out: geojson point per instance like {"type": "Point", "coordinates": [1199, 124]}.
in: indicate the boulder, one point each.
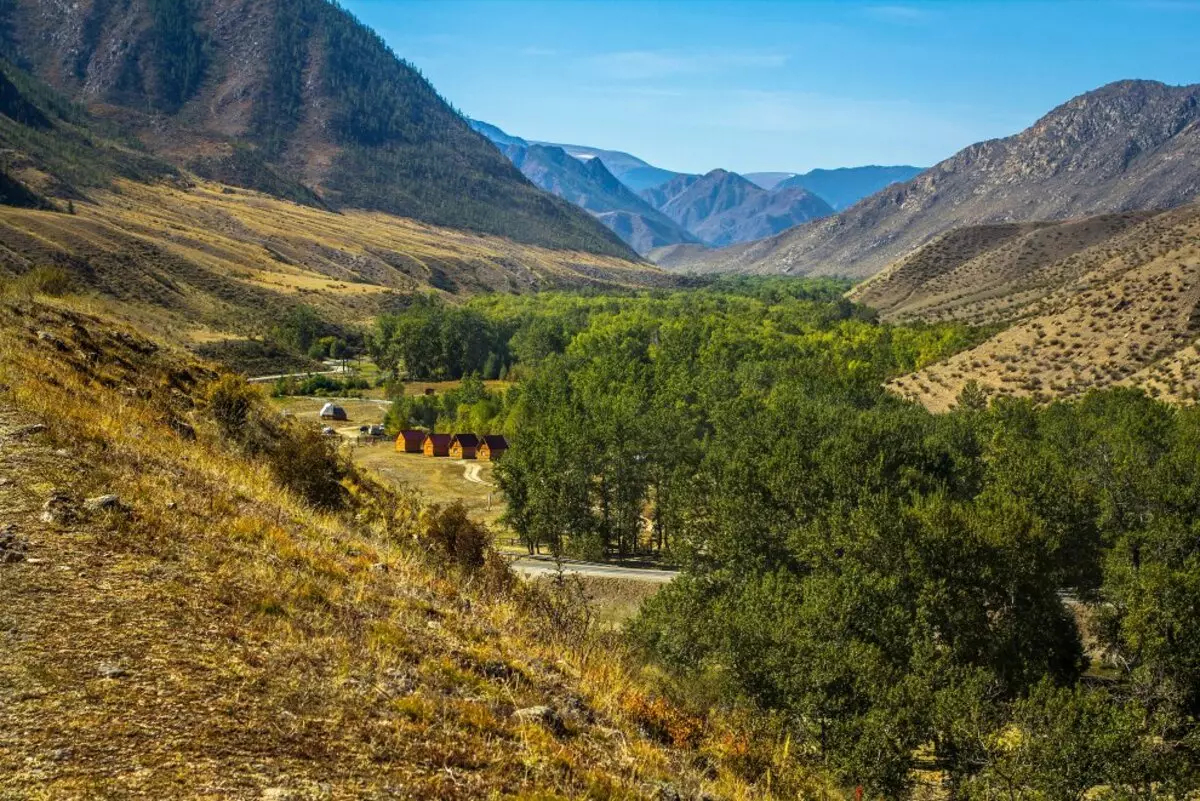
{"type": "Point", "coordinates": [103, 503]}
{"type": "Point", "coordinates": [59, 509]}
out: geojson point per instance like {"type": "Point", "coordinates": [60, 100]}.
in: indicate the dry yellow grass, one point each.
{"type": "Point", "coordinates": [204, 260]}
{"type": "Point", "coordinates": [1119, 312]}
{"type": "Point", "coordinates": [218, 638]}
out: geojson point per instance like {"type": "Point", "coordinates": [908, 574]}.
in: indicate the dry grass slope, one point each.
{"type": "Point", "coordinates": [207, 260]}
{"type": "Point", "coordinates": [216, 637]}
{"type": "Point", "coordinates": [1119, 309]}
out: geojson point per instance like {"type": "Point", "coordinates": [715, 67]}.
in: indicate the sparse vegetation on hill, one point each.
{"type": "Point", "coordinates": [211, 631]}
{"type": "Point", "coordinates": [1102, 301]}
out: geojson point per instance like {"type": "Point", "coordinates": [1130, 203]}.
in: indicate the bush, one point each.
{"type": "Point", "coordinates": [307, 462]}
{"type": "Point", "coordinates": [48, 280]}
{"type": "Point", "coordinates": [455, 538]}
{"type": "Point", "coordinates": [231, 400]}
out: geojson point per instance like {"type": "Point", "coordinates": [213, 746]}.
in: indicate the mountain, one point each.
{"type": "Point", "coordinates": [768, 180]}
{"type": "Point", "coordinates": [723, 207]}
{"type": "Point", "coordinates": [589, 185]}
{"type": "Point", "coordinates": [632, 171]}
{"type": "Point", "coordinates": [1128, 146]}
{"type": "Point", "coordinates": [587, 182]}
{"type": "Point", "coordinates": [199, 262]}
{"type": "Point", "coordinates": [1108, 300]}
{"type": "Point", "coordinates": [294, 98]}
{"type": "Point", "coordinates": [845, 186]}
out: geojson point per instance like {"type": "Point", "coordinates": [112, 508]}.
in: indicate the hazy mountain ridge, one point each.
{"type": "Point", "coordinates": [715, 209]}
{"type": "Point", "coordinates": [293, 98]}
{"type": "Point", "coordinates": [841, 188]}
{"type": "Point", "coordinates": [722, 207]}
{"type": "Point", "coordinates": [1127, 146]}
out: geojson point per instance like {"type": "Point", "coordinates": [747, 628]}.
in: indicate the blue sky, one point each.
{"type": "Point", "coordinates": [757, 86]}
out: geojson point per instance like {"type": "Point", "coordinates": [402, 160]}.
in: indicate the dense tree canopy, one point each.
{"type": "Point", "coordinates": [894, 583]}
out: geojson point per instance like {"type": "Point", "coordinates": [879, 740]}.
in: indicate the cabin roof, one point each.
{"type": "Point", "coordinates": [411, 435]}
{"type": "Point", "coordinates": [467, 440]}
{"type": "Point", "coordinates": [440, 439]}
{"type": "Point", "coordinates": [495, 442]}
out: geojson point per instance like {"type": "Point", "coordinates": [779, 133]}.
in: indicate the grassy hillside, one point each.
{"type": "Point", "coordinates": [252, 618]}
{"type": "Point", "coordinates": [205, 260]}
{"type": "Point", "coordinates": [1106, 301]}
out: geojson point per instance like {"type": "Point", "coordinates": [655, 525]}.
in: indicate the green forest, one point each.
{"type": "Point", "coordinates": [1006, 593]}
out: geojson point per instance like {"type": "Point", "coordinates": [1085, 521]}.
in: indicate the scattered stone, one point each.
{"type": "Point", "coordinates": [540, 714]}
{"type": "Point", "coordinates": [26, 431]}
{"type": "Point", "coordinates": [12, 545]}
{"type": "Point", "coordinates": [63, 452]}
{"type": "Point", "coordinates": [59, 509]}
{"type": "Point", "coordinates": [668, 792]}
{"type": "Point", "coordinates": [103, 503]}
{"type": "Point", "coordinates": [4, 482]}
{"type": "Point", "coordinates": [61, 754]}
{"type": "Point", "coordinates": [112, 672]}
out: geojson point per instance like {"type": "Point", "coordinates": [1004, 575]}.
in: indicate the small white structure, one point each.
{"type": "Point", "coordinates": [331, 411]}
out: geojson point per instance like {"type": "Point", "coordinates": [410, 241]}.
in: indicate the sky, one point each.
{"type": "Point", "coordinates": [770, 85]}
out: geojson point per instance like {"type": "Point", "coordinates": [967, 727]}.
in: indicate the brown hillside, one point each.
{"type": "Point", "coordinates": [988, 273]}
{"type": "Point", "coordinates": [210, 634]}
{"type": "Point", "coordinates": [1128, 146]}
{"type": "Point", "coordinates": [209, 259]}
{"type": "Point", "coordinates": [1123, 311]}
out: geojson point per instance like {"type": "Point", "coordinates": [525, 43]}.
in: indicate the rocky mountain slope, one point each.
{"type": "Point", "coordinates": [671, 208]}
{"type": "Point", "coordinates": [584, 179]}
{"type": "Point", "coordinates": [1089, 303]}
{"type": "Point", "coordinates": [1131, 145]}
{"type": "Point", "coordinates": [198, 261]}
{"type": "Point", "coordinates": [589, 185]}
{"type": "Point", "coordinates": [290, 97]}
{"type": "Point", "coordinates": [722, 207]}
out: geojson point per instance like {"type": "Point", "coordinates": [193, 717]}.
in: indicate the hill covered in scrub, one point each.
{"type": "Point", "coordinates": [1109, 301]}
{"type": "Point", "coordinates": [294, 98]}
{"type": "Point", "coordinates": [198, 598]}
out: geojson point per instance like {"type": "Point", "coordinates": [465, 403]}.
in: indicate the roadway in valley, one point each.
{"type": "Point", "coordinates": [537, 566]}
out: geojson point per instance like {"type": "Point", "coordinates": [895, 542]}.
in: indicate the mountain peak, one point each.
{"type": "Point", "coordinates": [1126, 146]}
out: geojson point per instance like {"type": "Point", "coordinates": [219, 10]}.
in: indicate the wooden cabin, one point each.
{"type": "Point", "coordinates": [491, 448]}
{"type": "Point", "coordinates": [463, 446]}
{"type": "Point", "coordinates": [410, 441]}
{"type": "Point", "coordinates": [437, 445]}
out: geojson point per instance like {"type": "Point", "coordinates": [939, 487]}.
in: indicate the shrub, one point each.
{"type": "Point", "coordinates": [455, 538]}
{"type": "Point", "coordinates": [47, 280]}
{"type": "Point", "coordinates": [231, 402]}
{"type": "Point", "coordinates": [305, 461]}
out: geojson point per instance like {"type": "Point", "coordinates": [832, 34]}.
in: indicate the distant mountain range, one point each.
{"type": "Point", "coordinates": [1131, 145]}
{"type": "Point", "coordinates": [721, 207]}
{"type": "Point", "coordinates": [671, 208]}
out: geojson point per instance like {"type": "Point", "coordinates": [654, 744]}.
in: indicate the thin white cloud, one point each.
{"type": "Point", "coordinates": [899, 13]}
{"type": "Point", "coordinates": [640, 65]}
